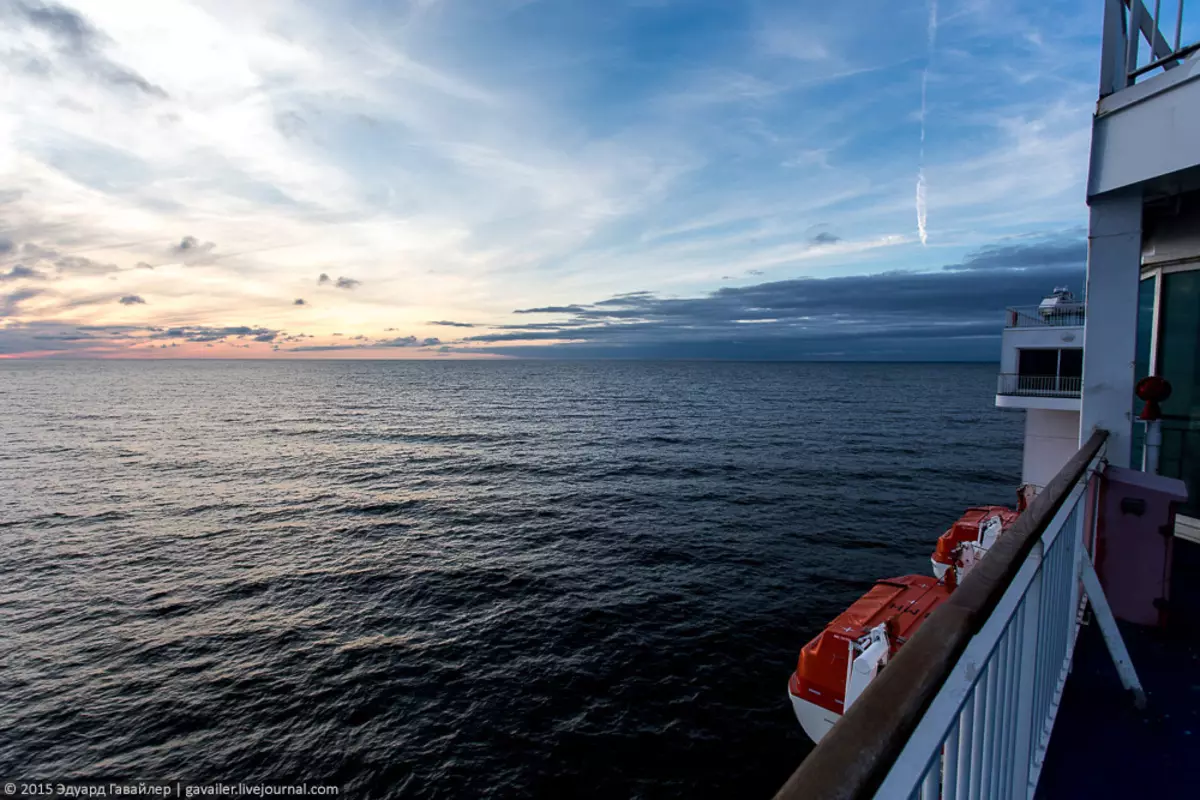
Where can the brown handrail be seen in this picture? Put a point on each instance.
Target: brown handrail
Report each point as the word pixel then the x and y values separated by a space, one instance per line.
pixel 855 756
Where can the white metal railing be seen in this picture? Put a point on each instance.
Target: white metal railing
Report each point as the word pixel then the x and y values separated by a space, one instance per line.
pixel 1035 317
pixel 1008 383
pixel 986 731
pixel 1127 23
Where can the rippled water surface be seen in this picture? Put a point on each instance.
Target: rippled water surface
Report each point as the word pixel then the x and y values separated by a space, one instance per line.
pixel 456 579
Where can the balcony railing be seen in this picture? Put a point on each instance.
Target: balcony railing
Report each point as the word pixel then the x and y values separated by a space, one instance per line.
pixel 965 709
pixel 1038 385
pixel 1034 317
pixel 1127 23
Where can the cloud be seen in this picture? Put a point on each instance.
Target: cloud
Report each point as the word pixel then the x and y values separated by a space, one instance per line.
pixel 9 303
pixel 306 134
pixel 299 301
pixel 449 324
pixel 44 337
pixel 323 279
pixel 76 46
pixel 952 313
pixel 347 283
pixel 1024 256
pixel 364 343
pixel 191 250
pixel 21 272
pixel 6 246
pixel 572 309
pixel 63 263
pixel 131 300
pixel 320 348
pixel 824 238
pixel 399 341
pixel 206 333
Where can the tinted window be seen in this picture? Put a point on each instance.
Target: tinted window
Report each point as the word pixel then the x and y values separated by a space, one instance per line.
pixel 1072 363
pixel 1179 363
pixel 1037 362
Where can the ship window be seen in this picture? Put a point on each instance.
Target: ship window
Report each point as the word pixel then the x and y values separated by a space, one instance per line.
pixel 1037 362
pixel 1071 365
pixel 1179 363
pixel 1065 362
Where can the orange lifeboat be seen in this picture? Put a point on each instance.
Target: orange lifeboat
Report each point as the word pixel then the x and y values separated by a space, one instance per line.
pixel 965 542
pixel 838 664
pixel 840 661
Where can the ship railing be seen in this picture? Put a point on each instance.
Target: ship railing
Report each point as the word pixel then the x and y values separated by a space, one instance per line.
pixel 1038 385
pixel 1129 23
pixel 1034 317
pixel 965 709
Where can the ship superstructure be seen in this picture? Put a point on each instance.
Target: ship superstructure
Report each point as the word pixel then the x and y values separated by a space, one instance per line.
pixel 1041 372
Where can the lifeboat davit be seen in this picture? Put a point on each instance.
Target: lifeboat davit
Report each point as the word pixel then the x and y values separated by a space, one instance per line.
pixel 838 664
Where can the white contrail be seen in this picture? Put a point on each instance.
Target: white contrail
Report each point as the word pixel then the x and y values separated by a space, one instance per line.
pixel 932 40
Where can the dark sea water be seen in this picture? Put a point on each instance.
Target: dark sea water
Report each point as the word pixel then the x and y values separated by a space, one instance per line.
pixel 456 579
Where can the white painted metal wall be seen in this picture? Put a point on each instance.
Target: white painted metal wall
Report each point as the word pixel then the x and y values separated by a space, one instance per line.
pixel 1110 337
pixel 1147 131
pixel 1051 438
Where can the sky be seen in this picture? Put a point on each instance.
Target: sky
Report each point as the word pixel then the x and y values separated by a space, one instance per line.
pixel 566 179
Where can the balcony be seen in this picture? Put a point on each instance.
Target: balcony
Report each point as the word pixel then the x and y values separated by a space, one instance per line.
pixel 1034 317
pixel 1138 43
pixel 1149 106
pixel 1013 385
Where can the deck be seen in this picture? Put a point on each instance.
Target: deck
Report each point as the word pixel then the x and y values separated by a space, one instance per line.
pixel 1102 746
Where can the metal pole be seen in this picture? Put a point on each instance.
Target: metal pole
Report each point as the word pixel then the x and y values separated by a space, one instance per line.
pixel 1113 51
pixel 978 736
pixel 1152 446
pixel 966 720
pixel 1027 721
pixel 931 784
pixel 1112 635
pixel 950 763
pixel 1133 35
pixel 1157 35
pixel 1179 24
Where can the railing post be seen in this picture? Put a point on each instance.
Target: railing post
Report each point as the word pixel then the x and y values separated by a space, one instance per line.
pixel 1178 26
pixel 1112 54
pixel 1032 611
pixel 1133 39
pixel 1089 506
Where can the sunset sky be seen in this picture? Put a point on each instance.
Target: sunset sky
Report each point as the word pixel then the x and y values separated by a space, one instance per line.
pixel 442 178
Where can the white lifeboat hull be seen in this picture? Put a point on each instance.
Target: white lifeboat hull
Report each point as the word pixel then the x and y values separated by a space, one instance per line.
pixel 815 721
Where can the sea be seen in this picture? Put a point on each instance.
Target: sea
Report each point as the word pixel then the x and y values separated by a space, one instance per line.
pixel 483 579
